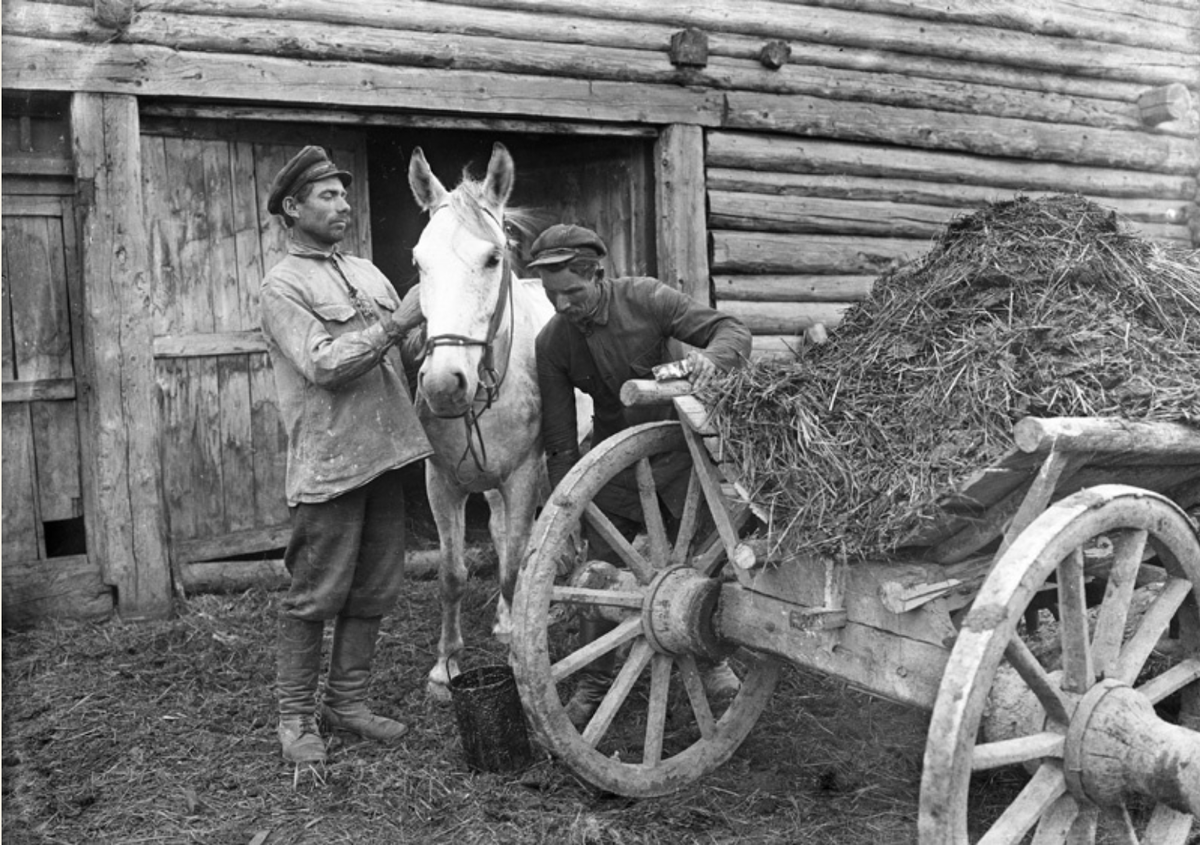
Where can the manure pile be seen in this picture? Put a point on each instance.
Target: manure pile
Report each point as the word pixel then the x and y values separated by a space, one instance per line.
pixel 1031 307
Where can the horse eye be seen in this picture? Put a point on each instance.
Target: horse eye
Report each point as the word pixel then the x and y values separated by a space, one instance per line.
pixel 492 260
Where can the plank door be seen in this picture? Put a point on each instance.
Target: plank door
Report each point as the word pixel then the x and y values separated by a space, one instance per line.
pixel 205 187
pixel 47 570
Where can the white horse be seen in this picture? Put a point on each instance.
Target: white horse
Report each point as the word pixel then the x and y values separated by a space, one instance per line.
pixel 477 392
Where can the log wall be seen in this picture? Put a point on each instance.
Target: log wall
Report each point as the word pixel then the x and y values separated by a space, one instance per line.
pixel 783 187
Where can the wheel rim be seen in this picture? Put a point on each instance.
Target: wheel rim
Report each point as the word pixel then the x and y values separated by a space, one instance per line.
pixel 636 744
pixel 1103 648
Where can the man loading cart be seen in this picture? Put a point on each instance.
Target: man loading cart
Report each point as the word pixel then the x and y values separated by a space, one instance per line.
pixel 605 332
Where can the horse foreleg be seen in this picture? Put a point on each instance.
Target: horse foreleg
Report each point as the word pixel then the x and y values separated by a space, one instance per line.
pixel 449 512
pixel 521 493
pixel 498 529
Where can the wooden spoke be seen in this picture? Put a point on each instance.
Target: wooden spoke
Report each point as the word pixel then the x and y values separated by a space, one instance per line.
pixel 639 659
pixel 707 473
pixel 1036 678
pixel 699 699
pixel 1127 835
pixel 1128 547
pixel 1168 827
pixel 1043 789
pixel 1078 674
pixel 1150 629
pixel 688 522
pixel 1083 829
pixel 1006 752
pixel 1053 827
pixel 576 660
pixel 628 554
pixel 656 531
pixel 1171 681
pixel 656 712
pixel 597 598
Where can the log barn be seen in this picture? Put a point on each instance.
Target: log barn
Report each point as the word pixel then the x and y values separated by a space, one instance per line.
pixel 771 156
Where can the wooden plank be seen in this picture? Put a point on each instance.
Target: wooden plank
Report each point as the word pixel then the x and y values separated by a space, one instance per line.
pixel 62 587
pixel 163 228
pixel 40 390
pixel 269 440
pixel 206 492
pixel 57 455
pixel 224 273
pixel 22 522
pixel 230 544
pixel 996 137
pixel 784 318
pixel 187 195
pixel 961 197
pixel 237 444
pixel 769 288
pixel 130 536
pixel 175 403
pixel 768 213
pixel 245 201
pixel 750 151
pixel 679 204
pixel 42 65
pixel 37 290
pixel 7 356
pixel 769 252
pixel 210 344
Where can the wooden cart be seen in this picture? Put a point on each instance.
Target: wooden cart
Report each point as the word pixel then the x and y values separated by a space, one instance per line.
pixel 1097 557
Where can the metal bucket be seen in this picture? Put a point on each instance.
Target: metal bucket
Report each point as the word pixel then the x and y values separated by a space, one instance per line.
pixel 490 720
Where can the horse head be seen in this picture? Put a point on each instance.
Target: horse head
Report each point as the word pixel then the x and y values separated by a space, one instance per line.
pixel 462 258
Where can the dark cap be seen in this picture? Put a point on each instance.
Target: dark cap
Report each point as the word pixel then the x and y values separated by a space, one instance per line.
pixel 565 242
pixel 311 164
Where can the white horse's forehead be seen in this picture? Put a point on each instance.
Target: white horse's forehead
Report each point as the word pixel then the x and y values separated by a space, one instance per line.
pixel 447 234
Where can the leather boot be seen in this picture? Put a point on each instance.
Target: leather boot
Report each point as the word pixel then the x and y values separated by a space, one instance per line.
pixel 346 689
pixel 595 678
pixel 297 667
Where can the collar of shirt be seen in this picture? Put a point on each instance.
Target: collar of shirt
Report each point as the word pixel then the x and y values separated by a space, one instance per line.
pixel 305 251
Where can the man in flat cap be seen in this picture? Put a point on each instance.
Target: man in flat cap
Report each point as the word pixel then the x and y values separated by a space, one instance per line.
pixel 334 328
pixel 605 332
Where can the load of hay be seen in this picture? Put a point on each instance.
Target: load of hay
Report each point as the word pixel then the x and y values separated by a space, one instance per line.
pixel 1031 307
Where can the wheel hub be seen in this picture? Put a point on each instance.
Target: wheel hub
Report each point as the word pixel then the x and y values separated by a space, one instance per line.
pixel 677 613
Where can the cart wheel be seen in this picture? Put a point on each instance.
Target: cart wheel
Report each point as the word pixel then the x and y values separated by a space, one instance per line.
pixel 1097 754
pixel 654 735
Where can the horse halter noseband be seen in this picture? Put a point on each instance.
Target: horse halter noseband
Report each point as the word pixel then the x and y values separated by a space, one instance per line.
pixel 490 379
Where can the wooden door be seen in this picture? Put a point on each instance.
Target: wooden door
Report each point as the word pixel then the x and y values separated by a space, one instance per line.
pixel 205 187
pixel 47 569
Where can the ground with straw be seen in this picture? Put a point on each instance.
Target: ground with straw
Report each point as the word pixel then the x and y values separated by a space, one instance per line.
pixel 1032 307
pixel 163 732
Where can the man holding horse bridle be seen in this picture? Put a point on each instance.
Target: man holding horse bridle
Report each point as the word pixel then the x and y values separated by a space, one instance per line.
pixel 605 332
pixel 333 325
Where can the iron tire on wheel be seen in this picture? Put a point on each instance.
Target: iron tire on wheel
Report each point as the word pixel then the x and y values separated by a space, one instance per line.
pixel 1071 739
pixel 661 769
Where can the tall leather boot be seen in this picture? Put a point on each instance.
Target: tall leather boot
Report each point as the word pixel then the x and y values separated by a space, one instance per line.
pixel 297 667
pixel 595 678
pixel 346 689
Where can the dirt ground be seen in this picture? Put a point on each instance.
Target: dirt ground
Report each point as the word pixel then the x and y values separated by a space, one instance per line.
pixel 164 733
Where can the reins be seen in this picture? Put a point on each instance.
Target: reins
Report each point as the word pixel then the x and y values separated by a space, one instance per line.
pixel 490 378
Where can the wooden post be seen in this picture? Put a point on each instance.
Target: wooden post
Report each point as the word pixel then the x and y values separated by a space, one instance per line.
pixel 130 540
pixel 679 197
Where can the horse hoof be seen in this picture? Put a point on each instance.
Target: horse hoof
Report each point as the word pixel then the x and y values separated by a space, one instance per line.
pixel 438 692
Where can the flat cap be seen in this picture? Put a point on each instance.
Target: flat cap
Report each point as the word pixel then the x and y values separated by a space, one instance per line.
pixel 311 164
pixel 565 242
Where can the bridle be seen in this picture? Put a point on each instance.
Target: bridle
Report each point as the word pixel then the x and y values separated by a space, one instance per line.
pixel 490 377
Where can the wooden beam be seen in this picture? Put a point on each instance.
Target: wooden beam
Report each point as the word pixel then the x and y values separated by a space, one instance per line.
pixel 767 288
pixel 767 213
pixel 821 156
pixel 130 537
pixel 679 203
pixel 772 253
pixel 209 344
pixel 785 318
pixel 59 587
pixel 41 390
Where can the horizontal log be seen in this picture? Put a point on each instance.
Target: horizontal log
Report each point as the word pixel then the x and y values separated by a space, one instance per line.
pixel 765 288
pixel 779 20
pixel 55 588
pixel 766 213
pixel 209 344
pixel 41 390
pixel 541 55
pixel 963 198
pixel 1090 434
pixel 978 135
pixel 784 318
pixel 231 576
pixel 40 65
pixel 1135 24
pixel 754 151
pixel 771 253
pixel 230 544
pixel 763 346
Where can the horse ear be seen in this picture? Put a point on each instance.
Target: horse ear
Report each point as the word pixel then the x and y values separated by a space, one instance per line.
pixel 427 189
pixel 499 182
